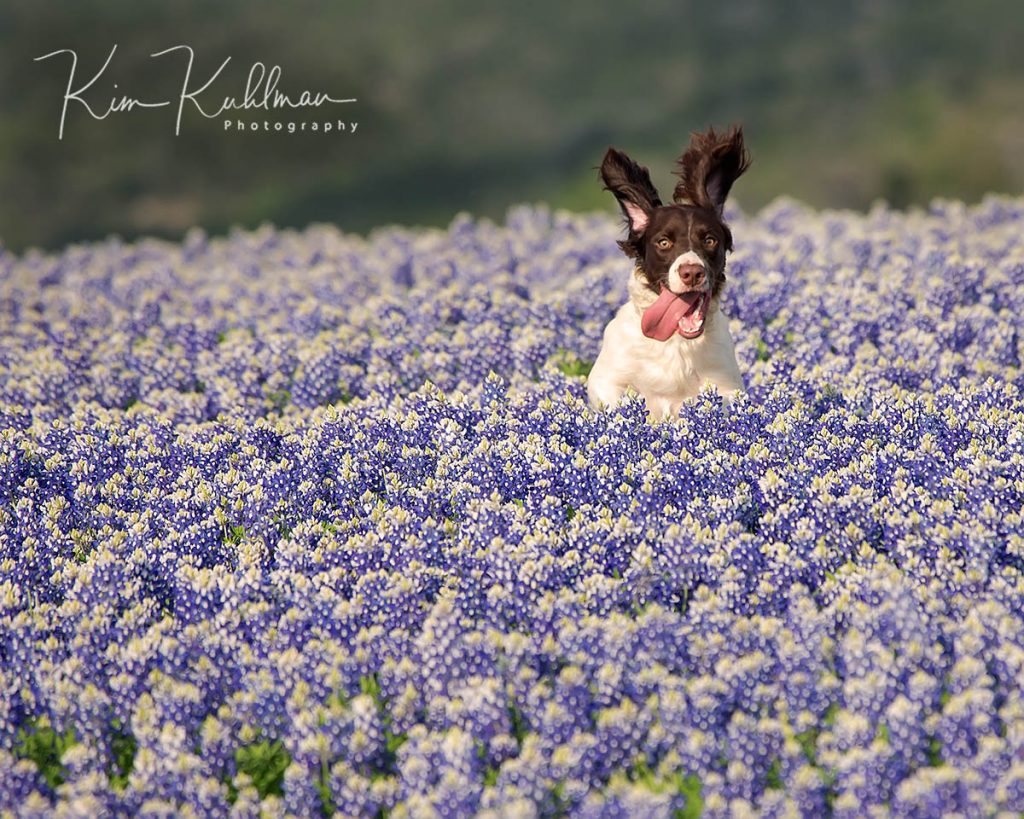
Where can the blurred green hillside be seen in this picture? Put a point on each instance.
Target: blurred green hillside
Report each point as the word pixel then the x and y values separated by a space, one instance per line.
pixel 470 106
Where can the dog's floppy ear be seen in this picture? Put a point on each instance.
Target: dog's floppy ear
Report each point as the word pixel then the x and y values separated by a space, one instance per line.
pixel 631 184
pixel 709 166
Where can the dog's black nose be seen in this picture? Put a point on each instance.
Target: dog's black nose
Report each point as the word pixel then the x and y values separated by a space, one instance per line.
pixel 691 275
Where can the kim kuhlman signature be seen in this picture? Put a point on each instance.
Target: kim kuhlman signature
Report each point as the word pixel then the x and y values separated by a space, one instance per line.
pixel 260 94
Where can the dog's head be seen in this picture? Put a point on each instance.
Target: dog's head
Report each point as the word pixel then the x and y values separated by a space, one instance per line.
pixel 681 246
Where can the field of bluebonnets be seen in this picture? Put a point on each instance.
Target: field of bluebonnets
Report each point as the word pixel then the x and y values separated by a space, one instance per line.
pixel 303 522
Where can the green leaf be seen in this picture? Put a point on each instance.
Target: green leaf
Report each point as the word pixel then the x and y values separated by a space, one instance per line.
pixel 568 363
pixel 558 796
pixel 281 525
pixel 369 685
pixel 265 763
pixel 394 741
pixel 762 350
pixel 518 723
pixel 45 747
pixel 576 367
pixel 280 399
pixel 122 748
pixel 235 534
pixel 808 744
pixel 690 787
pixel 323 787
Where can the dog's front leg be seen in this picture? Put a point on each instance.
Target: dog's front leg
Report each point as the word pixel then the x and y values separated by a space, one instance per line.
pixel 728 383
pixel 603 388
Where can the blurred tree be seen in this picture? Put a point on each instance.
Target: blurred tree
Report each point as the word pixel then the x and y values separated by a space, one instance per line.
pixel 464 106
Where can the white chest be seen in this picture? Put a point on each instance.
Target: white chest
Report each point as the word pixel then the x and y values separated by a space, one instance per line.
pixel 668 372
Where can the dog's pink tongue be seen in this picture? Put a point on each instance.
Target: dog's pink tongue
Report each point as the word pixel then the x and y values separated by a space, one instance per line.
pixel 662 318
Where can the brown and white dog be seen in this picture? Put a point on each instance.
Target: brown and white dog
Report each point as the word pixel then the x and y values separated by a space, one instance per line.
pixel 671 339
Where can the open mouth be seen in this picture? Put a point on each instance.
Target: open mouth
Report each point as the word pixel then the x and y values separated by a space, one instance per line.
pixel 691 322
pixel 682 313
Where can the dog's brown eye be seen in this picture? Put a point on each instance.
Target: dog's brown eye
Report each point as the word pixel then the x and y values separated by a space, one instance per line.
pixel 664 243
pixel 710 242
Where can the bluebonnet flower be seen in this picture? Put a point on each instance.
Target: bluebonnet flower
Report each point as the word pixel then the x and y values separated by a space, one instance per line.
pixel 335 530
